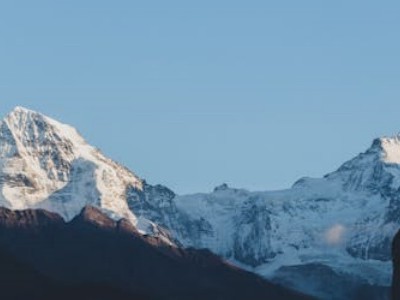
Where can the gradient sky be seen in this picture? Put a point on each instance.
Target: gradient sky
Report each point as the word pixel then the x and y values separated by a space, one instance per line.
pixel 195 93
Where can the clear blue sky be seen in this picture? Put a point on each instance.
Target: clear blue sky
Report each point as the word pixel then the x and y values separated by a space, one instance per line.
pixel 195 93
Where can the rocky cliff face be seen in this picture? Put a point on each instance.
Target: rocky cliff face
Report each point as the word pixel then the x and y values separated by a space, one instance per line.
pixel 46 164
pixel 354 210
pixel 344 221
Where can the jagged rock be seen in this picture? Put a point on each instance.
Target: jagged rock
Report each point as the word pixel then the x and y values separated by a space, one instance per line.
pixel 344 220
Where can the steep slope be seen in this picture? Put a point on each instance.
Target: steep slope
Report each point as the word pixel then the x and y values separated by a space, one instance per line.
pixel 95 251
pixel 344 222
pixel 47 164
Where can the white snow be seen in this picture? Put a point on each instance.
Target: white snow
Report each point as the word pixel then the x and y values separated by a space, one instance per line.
pixel 314 222
pixel 391 149
pixel 48 164
pixel 64 172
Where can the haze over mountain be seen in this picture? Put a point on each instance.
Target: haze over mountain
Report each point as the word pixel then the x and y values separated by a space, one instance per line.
pixel 341 224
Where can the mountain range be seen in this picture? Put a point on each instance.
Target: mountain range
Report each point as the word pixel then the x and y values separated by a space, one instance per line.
pixel 328 237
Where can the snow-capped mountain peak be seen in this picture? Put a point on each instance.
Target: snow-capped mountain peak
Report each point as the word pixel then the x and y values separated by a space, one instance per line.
pixel 32 131
pixel 344 221
pixel 47 164
pixel 390 149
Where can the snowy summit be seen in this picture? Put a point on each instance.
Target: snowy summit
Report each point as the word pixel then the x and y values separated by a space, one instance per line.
pixel 344 221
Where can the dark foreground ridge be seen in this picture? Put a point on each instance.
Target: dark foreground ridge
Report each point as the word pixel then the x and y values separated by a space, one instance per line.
pixel 94 257
pixel 396 267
